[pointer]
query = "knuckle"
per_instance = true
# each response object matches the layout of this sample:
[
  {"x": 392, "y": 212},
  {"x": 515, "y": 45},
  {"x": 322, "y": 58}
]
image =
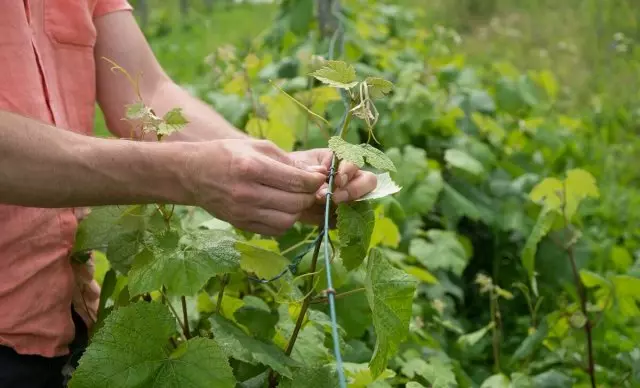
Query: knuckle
[
  {"x": 241, "y": 194},
  {"x": 246, "y": 166}
]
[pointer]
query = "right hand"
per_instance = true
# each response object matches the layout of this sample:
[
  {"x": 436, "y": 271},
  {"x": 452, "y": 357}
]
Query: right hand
[{"x": 253, "y": 184}]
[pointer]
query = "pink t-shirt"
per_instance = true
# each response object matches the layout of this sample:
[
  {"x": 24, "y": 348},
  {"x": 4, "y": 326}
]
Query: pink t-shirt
[{"x": 47, "y": 72}]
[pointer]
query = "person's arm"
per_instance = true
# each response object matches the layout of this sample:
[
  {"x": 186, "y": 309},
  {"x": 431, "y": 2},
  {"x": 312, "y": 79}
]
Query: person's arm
[
  {"x": 250, "y": 183},
  {"x": 120, "y": 40}
]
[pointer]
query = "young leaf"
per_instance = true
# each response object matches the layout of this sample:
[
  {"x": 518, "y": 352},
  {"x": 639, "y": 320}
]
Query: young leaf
[
  {"x": 463, "y": 161},
  {"x": 337, "y": 74},
  {"x": 390, "y": 295},
  {"x": 173, "y": 121},
  {"x": 136, "y": 111},
  {"x": 359, "y": 153},
  {"x": 355, "y": 226},
  {"x": 471, "y": 339},
  {"x": 132, "y": 350},
  {"x": 317, "y": 377},
  {"x": 183, "y": 264},
  {"x": 442, "y": 251},
  {"x": 434, "y": 370},
  {"x": 237, "y": 344},
  {"x": 385, "y": 187},
  {"x": 541, "y": 228},
  {"x": 378, "y": 87},
  {"x": 262, "y": 262}
]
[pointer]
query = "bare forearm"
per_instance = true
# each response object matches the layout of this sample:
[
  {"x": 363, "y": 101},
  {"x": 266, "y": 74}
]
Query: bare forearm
[
  {"x": 44, "y": 166},
  {"x": 204, "y": 122}
]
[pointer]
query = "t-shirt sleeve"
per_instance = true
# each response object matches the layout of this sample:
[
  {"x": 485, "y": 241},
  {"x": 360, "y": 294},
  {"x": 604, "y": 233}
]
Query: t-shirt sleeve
[{"x": 104, "y": 7}]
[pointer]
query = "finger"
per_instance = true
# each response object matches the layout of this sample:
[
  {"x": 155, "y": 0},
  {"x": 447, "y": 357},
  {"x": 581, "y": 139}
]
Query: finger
[
  {"x": 346, "y": 172},
  {"x": 315, "y": 216},
  {"x": 312, "y": 163},
  {"x": 285, "y": 177},
  {"x": 270, "y": 222},
  {"x": 363, "y": 183},
  {"x": 284, "y": 201}
]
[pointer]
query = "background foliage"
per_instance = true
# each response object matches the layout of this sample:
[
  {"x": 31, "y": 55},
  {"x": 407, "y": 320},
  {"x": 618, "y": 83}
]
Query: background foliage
[{"x": 513, "y": 129}]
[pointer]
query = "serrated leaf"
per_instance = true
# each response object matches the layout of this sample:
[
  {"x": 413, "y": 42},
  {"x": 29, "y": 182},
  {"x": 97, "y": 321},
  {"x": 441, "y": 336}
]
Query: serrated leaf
[
  {"x": 136, "y": 111},
  {"x": 237, "y": 344},
  {"x": 378, "y": 87},
  {"x": 542, "y": 227},
  {"x": 384, "y": 187},
  {"x": 173, "y": 121},
  {"x": 324, "y": 376},
  {"x": 337, "y": 74},
  {"x": 438, "y": 373},
  {"x": 264, "y": 263},
  {"x": 360, "y": 376},
  {"x": 132, "y": 350},
  {"x": 358, "y": 154},
  {"x": 183, "y": 264},
  {"x": 442, "y": 251},
  {"x": 390, "y": 295},
  {"x": 579, "y": 185},
  {"x": 462, "y": 160},
  {"x": 356, "y": 221}
]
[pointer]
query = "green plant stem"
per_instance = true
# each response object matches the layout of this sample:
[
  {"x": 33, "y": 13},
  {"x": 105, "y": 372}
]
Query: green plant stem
[
  {"x": 325, "y": 299},
  {"x": 173, "y": 311},
  {"x": 582, "y": 295},
  {"x": 495, "y": 331},
  {"x": 223, "y": 285},
  {"x": 185, "y": 316},
  {"x": 303, "y": 311}
]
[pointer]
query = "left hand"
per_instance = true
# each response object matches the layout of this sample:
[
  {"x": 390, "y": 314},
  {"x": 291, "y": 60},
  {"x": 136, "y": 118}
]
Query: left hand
[{"x": 350, "y": 182}]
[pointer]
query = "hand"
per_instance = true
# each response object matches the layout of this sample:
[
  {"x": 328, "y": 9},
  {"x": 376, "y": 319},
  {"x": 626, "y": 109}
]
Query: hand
[
  {"x": 254, "y": 185},
  {"x": 350, "y": 181}
]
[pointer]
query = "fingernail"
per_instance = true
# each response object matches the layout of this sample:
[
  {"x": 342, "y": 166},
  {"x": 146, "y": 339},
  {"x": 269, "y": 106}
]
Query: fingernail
[
  {"x": 340, "y": 197},
  {"x": 319, "y": 168},
  {"x": 342, "y": 180},
  {"x": 322, "y": 193}
]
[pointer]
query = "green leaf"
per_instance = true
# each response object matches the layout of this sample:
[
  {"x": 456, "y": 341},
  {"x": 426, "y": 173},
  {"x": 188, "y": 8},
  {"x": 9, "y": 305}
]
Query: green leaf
[
  {"x": 337, "y": 74},
  {"x": 531, "y": 343},
  {"x": 237, "y": 344},
  {"x": 359, "y": 153},
  {"x": 173, "y": 121},
  {"x": 183, "y": 263},
  {"x": 462, "y": 160},
  {"x": 496, "y": 381},
  {"x": 621, "y": 258},
  {"x": 472, "y": 338},
  {"x": 356, "y": 221},
  {"x": 438, "y": 373},
  {"x": 385, "y": 187},
  {"x": 136, "y": 111},
  {"x": 413, "y": 384},
  {"x": 359, "y": 376},
  {"x": 542, "y": 227},
  {"x": 133, "y": 350},
  {"x": 256, "y": 316},
  {"x": 390, "y": 295},
  {"x": 378, "y": 87},
  {"x": 264, "y": 263},
  {"x": 442, "y": 251},
  {"x": 421, "y": 274},
  {"x": 317, "y": 377}
]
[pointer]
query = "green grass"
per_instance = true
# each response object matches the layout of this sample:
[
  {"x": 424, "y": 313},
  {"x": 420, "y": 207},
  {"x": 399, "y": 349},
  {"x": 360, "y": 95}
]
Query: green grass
[{"x": 572, "y": 38}]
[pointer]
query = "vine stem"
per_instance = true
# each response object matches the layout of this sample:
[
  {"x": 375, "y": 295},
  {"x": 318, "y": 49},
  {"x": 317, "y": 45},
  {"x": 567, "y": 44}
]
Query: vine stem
[
  {"x": 303, "y": 311},
  {"x": 496, "y": 333},
  {"x": 338, "y": 296},
  {"x": 185, "y": 317},
  {"x": 582, "y": 295},
  {"x": 223, "y": 285}
]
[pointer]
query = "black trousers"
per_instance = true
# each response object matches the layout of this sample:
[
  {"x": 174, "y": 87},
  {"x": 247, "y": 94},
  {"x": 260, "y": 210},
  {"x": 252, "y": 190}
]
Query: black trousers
[{"x": 30, "y": 371}]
